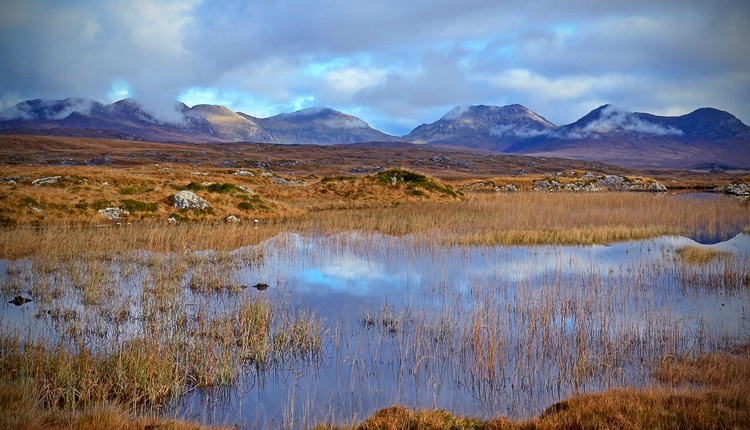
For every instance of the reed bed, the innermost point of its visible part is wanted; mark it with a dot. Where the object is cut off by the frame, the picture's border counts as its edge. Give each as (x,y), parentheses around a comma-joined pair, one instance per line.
(133,331)
(137,317)
(509,219)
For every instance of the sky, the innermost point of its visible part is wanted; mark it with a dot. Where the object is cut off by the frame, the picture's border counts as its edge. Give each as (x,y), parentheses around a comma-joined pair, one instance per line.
(396,64)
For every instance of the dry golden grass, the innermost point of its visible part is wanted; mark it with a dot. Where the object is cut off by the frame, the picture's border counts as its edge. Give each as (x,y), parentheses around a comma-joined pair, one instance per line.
(512,219)
(19,410)
(700,255)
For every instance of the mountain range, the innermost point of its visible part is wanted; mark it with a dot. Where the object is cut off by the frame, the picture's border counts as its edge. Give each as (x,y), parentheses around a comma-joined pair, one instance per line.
(704,138)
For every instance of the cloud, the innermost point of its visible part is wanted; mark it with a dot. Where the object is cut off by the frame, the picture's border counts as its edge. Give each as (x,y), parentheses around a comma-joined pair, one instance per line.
(400,63)
(47,109)
(612,119)
(514,131)
(456,113)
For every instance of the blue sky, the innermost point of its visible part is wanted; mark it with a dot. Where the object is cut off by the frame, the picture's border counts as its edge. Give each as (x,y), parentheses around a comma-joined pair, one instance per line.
(394,64)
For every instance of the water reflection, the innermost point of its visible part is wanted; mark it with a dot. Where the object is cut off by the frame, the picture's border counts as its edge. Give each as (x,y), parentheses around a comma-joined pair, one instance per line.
(480,331)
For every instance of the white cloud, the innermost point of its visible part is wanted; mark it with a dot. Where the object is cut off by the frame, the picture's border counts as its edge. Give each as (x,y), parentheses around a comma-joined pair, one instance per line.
(612,118)
(398,62)
(350,80)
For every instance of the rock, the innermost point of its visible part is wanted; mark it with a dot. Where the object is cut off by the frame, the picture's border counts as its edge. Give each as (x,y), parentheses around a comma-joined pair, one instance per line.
(544,185)
(589,175)
(189,200)
(45,181)
(13,180)
(656,186)
(511,188)
(113,213)
(261,286)
(232,219)
(20,300)
(244,173)
(610,182)
(172,220)
(588,187)
(98,161)
(737,189)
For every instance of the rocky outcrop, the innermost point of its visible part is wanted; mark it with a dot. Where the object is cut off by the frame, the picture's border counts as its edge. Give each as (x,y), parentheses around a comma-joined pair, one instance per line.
(278,180)
(736,189)
(13,180)
(189,200)
(592,182)
(45,181)
(113,213)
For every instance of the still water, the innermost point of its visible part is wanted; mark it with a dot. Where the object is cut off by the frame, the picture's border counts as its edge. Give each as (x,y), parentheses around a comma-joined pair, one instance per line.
(480,331)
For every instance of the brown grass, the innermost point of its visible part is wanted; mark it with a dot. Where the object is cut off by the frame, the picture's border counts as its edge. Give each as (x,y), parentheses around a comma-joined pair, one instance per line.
(19,410)
(700,255)
(512,219)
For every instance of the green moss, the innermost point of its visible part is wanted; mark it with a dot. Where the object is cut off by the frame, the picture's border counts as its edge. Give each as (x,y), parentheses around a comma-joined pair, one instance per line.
(224,188)
(254,203)
(133,206)
(414,182)
(101,204)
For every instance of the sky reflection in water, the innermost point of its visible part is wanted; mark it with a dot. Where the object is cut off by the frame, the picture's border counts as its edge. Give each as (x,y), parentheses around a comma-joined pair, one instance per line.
(479,331)
(634,289)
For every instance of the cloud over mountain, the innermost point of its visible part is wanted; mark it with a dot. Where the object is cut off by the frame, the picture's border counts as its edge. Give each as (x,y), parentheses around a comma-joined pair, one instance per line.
(396,64)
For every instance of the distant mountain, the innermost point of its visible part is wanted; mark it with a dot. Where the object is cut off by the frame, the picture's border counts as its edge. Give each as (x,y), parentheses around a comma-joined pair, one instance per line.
(126,119)
(322,126)
(704,138)
(489,127)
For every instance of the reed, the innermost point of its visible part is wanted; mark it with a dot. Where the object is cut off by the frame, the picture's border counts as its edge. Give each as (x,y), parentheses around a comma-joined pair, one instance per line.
(508,219)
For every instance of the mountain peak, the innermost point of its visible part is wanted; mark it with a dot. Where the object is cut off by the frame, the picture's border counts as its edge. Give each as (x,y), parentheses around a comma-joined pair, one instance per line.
(491,127)
(48,110)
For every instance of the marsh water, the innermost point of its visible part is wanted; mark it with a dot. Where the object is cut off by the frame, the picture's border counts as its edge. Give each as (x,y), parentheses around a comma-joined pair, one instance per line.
(476,330)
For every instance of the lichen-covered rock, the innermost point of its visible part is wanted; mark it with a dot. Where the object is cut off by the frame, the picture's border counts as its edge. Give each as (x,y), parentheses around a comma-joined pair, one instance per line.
(656,187)
(189,200)
(13,180)
(610,182)
(113,213)
(544,185)
(737,189)
(582,186)
(45,181)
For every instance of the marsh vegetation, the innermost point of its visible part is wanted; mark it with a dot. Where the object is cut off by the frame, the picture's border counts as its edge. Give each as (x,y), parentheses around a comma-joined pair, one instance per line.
(359,321)
(394,298)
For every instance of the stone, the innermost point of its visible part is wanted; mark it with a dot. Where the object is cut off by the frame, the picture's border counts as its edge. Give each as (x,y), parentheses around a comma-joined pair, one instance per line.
(544,185)
(172,220)
(189,200)
(656,187)
(113,213)
(261,286)
(45,181)
(244,173)
(232,219)
(20,300)
(737,189)
(610,182)
(13,180)
(589,175)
